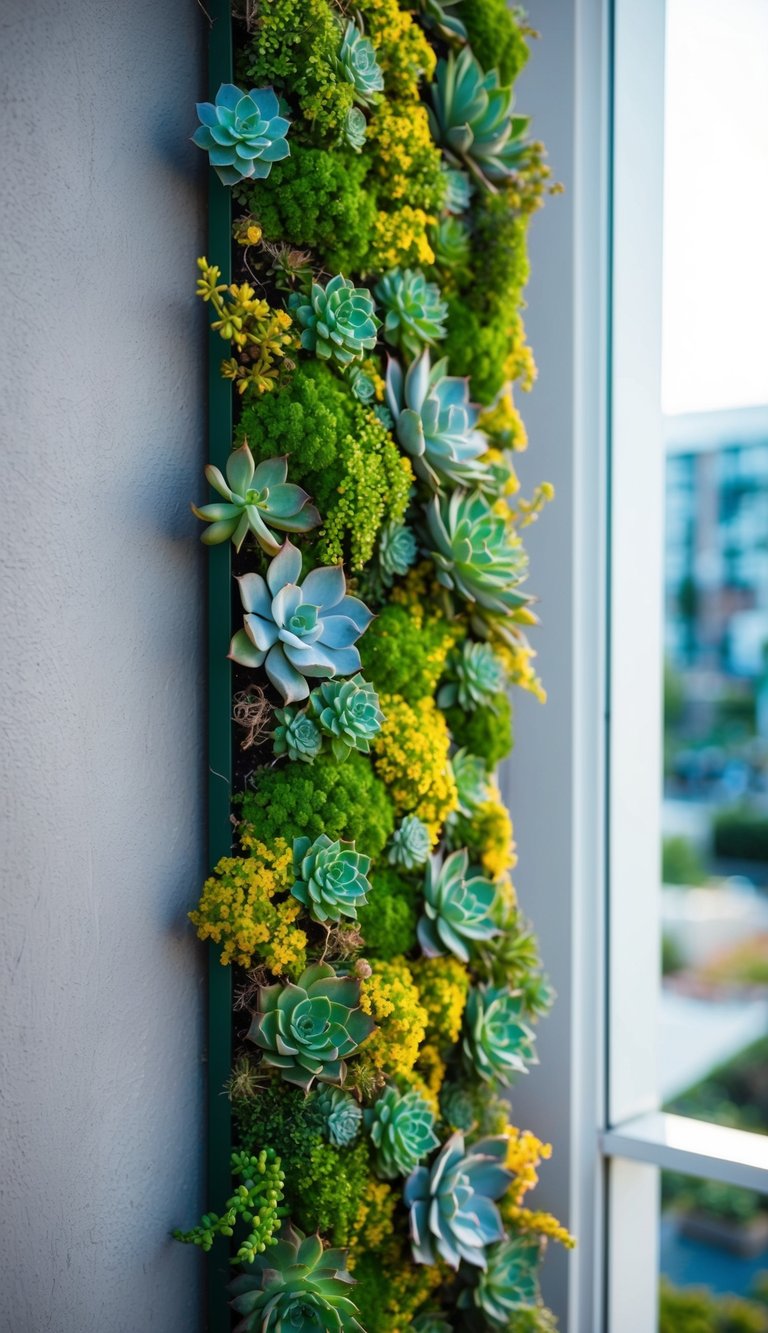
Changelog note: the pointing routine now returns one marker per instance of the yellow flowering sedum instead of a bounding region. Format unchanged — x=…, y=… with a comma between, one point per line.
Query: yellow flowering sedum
x=443, y=986
x=411, y=757
x=400, y=238
x=391, y=996
x=242, y=908
x=524, y=1155
x=537, y=1224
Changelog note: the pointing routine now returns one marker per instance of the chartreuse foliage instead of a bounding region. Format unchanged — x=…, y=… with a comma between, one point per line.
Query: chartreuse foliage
x=383, y=183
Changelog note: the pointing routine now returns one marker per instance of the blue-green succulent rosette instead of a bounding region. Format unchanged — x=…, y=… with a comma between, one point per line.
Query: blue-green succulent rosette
x=402, y=1130
x=341, y=1115
x=357, y=62
x=307, y=1030
x=242, y=133
x=331, y=878
x=457, y=907
x=295, y=630
x=347, y=711
x=296, y=1284
x=339, y=321
x=453, y=1214
x=472, y=119
x=435, y=422
x=256, y=497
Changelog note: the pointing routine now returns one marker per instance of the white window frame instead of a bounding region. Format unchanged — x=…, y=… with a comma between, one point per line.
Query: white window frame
x=584, y=781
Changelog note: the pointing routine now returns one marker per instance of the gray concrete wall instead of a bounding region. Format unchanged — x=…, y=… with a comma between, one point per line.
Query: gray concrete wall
x=101, y=690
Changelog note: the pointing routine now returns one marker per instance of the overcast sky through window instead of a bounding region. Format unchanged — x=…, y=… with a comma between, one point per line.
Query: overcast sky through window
x=716, y=206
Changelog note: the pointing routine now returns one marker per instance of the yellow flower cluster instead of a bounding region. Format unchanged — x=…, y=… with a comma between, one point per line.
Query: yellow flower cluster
x=374, y=1220
x=400, y=238
x=519, y=364
x=538, y=1224
x=411, y=756
x=524, y=1154
x=429, y=1075
x=504, y=423
x=405, y=150
x=518, y=664
x=240, y=909
x=259, y=334
x=391, y=996
x=493, y=831
x=402, y=50
x=443, y=987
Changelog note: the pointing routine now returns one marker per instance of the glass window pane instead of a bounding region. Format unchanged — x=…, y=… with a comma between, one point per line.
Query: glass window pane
x=713, y=1258
x=714, y=927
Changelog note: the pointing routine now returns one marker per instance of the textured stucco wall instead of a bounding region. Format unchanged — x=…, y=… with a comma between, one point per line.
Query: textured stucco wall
x=102, y=414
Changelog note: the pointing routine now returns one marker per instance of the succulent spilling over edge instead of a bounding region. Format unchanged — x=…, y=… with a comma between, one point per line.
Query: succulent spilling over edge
x=382, y=187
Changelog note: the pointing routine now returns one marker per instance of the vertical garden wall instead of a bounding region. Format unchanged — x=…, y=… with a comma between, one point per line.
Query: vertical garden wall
x=374, y=985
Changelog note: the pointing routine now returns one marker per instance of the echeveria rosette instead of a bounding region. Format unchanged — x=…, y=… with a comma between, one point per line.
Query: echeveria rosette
x=476, y=553
x=331, y=878
x=341, y=1115
x=402, y=1130
x=296, y=1284
x=308, y=1030
x=475, y=675
x=242, y=133
x=347, y=711
x=457, y=907
x=438, y=15
x=450, y=242
x=355, y=126
x=339, y=322
x=458, y=1107
x=358, y=63
x=472, y=785
x=415, y=312
x=431, y=1322
x=411, y=844
x=472, y=119
x=453, y=1215
x=497, y=1042
x=297, y=630
x=296, y=735
x=435, y=423
x=397, y=551
x=509, y=1285
x=458, y=190
x=257, y=500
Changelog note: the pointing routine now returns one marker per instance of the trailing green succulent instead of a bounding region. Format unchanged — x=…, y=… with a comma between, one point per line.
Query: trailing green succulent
x=497, y=1043
x=402, y=1130
x=347, y=711
x=453, y=1215
x=339, y=321
x=255, y=498
x=508, y=1286
x=330, y=878
x=435, y=422
x=242, y=133
x=411, y=844
x=358, y=63
x=256, y=1201
x=474, y=677
x=309, y=1029
x=342, y=1116
x=415, y=312
x=476, y=553
x=298, y=1285
x=457, y=908
x=397, y=551
x=472, y=118
x=296, y=735
x=297, y=630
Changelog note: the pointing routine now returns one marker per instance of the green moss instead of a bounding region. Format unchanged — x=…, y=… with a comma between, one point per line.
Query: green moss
x=388, y=923
x=400, y=657
x=324, y=1185
x=496, y=36
x=486, y=732
x=317, y=198
x=293, y=47
x=390, y=1289
x=339, y=452
x=343, y=800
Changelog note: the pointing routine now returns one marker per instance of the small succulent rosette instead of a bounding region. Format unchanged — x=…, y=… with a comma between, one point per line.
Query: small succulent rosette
x=402, y=1130
x=498, y=1044
x=348, y=712
x=453, y=1214
x=457, y=907
x=339, y=321
x=242, y=133
x=415, y=312
x=257, y=499
x=357, y=62
x=331, y=878
x=296, y=1284
x=472, y=119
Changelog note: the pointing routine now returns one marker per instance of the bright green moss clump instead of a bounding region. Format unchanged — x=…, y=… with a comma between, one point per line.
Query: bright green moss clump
x=404, y=656
x=324, y=1185
x=339, y=452
x=496, y=36
x=343, y=800
x=487, y=732
x=388, y=923
x=318, y=199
